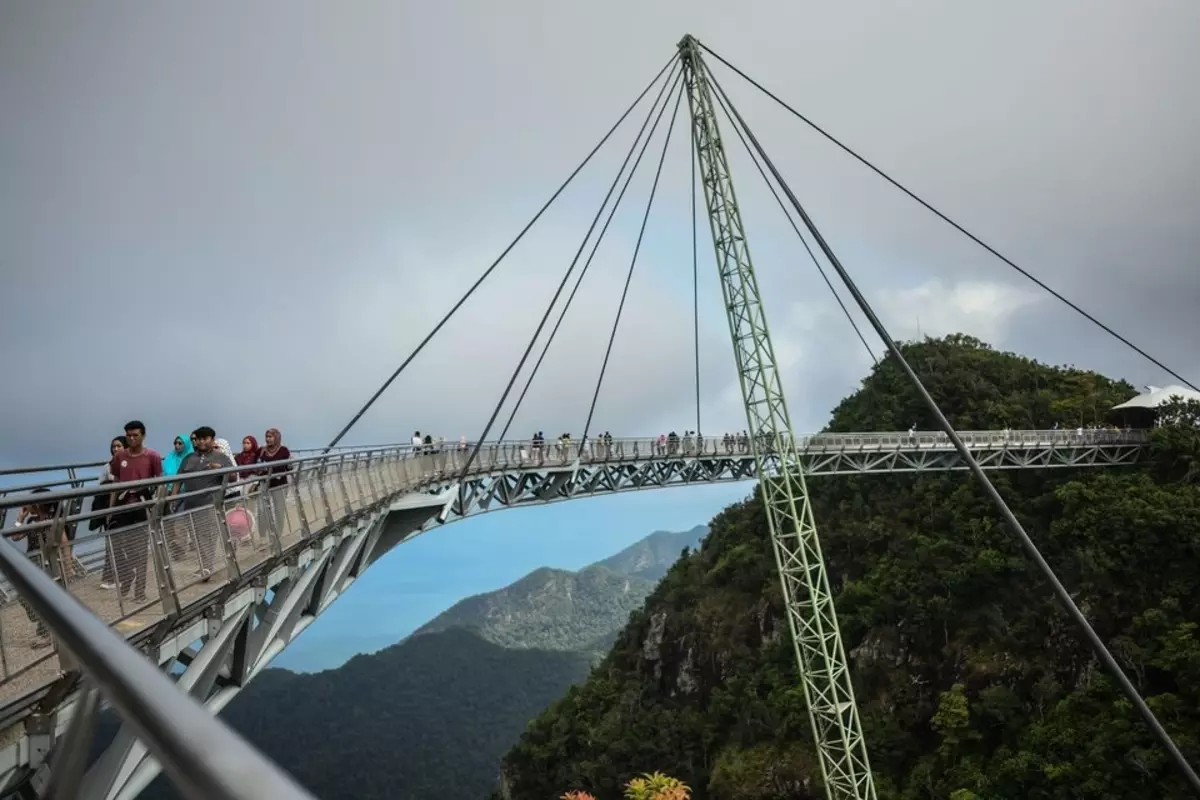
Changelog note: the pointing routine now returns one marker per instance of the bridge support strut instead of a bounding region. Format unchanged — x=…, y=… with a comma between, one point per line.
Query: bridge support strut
x=824, y=670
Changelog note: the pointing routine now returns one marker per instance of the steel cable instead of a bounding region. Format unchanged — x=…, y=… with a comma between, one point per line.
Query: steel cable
x=1010, y=519
x=549, y=308
x=586, y=265
x=803, y=241
x=632, y=263
x=695, y=289
x=952, y=223
x=486, y=273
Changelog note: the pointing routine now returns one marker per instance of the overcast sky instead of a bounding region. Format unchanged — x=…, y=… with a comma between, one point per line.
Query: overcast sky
x=247, y=215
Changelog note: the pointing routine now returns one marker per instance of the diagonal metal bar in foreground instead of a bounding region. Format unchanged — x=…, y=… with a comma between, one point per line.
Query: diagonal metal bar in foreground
x=206, y=759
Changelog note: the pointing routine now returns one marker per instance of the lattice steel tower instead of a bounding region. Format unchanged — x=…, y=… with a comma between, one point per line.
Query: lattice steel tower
x=824, y=671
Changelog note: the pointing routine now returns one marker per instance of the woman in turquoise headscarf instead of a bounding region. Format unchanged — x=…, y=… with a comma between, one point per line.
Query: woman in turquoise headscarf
x=174, y=459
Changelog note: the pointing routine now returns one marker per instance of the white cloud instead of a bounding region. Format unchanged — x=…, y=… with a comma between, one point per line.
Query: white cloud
x=933, y=308
x=190, y=234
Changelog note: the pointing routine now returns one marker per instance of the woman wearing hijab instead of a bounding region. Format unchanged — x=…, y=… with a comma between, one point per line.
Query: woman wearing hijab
x=181, y=448
x=174, y=459
x=223, y=446
x=275, y=450
x=248, y=456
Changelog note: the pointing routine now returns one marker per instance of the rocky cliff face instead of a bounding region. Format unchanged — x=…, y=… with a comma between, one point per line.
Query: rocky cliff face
x=970, y=680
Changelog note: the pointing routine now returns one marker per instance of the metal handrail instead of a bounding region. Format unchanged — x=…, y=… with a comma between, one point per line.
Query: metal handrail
x=320, y=490
x=713, y=444
x=116, y=486
x=202, y=755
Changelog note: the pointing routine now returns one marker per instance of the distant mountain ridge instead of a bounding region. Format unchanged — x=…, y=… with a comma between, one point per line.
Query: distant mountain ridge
x=556, y=609
x=651, y=557
x=431, y=716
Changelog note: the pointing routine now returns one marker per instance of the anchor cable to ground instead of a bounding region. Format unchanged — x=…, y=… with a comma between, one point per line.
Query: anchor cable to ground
x=803, y=241
x=1014, y=525
x=1057, y=295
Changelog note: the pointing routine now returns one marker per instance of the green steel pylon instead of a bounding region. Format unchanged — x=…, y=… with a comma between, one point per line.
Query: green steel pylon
x=824, y=671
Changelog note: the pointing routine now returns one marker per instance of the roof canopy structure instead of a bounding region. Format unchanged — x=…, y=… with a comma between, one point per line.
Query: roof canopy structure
x=1154, y=397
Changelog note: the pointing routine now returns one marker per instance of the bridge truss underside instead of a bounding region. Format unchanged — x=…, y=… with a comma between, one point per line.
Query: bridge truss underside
x=558, y=482
x=219, y=639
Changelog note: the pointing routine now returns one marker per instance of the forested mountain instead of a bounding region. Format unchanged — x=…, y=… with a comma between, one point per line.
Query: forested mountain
x=653, y=556
x=427, y=718
x=553, y=609
x=556, y=609
x=431, y=717
x=971, y=680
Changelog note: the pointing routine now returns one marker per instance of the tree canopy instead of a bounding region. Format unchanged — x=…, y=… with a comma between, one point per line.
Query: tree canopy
x=971, y=680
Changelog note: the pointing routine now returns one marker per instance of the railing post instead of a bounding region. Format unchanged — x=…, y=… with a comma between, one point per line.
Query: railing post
x=267, y=500
x=363, y=481
x=372, y=482
x=159, y=553
x=411, y=469
x=395, y=472
x=295, y=487
x=232, y=571
x=53, y=557
x=321, y=472
x=341, y=483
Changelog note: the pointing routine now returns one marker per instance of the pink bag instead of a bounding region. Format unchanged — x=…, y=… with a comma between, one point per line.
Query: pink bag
x=240, y=522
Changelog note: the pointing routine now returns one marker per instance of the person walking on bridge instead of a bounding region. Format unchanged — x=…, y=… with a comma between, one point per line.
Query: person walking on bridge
x=275, y=450
x=132, y=547
x=195, y=473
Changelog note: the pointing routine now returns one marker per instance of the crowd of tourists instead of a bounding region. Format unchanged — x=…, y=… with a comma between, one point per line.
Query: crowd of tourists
x=192, y=457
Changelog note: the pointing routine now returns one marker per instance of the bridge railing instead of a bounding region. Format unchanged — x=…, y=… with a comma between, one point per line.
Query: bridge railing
x=167, y=556
x=159, y=557
x=21, y=481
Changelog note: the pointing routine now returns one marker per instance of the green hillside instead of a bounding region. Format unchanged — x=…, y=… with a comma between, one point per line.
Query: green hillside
x=971, y=680
x=431, y=717
x=556, y=609
x=553, y=609
x=653, y=556
x=427, y=718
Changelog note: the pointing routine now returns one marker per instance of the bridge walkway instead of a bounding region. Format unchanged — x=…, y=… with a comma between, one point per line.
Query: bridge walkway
x=258, y=537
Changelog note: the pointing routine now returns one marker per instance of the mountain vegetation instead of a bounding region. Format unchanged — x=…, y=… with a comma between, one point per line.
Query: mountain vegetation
x=431, y=717
x=651, y=557
x=556, y=609
x=971, y=680
x=427, y=718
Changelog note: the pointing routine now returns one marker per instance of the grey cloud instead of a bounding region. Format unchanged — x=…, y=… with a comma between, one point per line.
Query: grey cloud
x=247, y=216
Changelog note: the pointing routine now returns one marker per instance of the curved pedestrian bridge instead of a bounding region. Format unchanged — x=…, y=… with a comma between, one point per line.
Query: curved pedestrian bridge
x=214, y=594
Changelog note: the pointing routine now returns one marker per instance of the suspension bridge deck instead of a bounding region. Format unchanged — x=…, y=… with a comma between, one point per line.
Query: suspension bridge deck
x=229, y=586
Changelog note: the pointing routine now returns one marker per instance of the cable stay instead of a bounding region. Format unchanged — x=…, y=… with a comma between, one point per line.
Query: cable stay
x=878, y=171
x=811, y=617
x=629, y=275
x=1010, y=519
x=788, y=215
x=695, y=288
x=586, y=265
x=554, y=300
x=487, y=272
